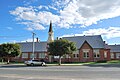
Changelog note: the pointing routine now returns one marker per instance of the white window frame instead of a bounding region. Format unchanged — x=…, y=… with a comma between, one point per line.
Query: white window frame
x=86, y=53
x=24, y=55
x=118, y=55
x=105, y=54
x=33, y=55
x=96, y=53
x=112, y=55
x=76, y=54
x=67, y=56
x=42, y=55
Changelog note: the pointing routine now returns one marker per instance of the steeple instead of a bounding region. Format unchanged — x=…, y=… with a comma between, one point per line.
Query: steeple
x=50, y=29
x=50, y=33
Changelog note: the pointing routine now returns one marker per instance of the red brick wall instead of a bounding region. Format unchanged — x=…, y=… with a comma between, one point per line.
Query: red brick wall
x=101, y=54
x=72, y=59
x=91, y=55
x=81, y=58
x=19, y=59
x=108, y=54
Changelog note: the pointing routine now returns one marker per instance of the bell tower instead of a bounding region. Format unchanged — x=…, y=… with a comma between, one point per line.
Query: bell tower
x=50, y=34
x=50, y=38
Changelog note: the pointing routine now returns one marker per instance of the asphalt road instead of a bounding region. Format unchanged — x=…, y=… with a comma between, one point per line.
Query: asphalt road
x=87, y=72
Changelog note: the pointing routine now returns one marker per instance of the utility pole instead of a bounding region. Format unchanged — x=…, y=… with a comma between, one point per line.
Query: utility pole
x=33, y=46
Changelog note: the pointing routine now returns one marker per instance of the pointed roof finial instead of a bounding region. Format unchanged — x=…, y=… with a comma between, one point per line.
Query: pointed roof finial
x=50, y=28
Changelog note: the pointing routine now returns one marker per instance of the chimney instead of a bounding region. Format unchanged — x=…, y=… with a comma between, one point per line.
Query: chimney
x=104, y=42
x=57, y=38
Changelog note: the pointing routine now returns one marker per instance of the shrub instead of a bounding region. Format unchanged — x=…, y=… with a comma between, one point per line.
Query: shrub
x=102, y=61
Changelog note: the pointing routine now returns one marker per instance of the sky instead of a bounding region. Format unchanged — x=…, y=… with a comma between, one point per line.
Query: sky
x=19, y=18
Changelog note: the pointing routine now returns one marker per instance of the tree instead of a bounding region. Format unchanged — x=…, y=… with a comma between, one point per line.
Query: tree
x=61, y=47
x=9, y=50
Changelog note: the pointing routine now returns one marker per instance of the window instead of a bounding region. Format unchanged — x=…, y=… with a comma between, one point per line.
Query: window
x=33, y=55
x=24, y=55
x=85, y=53
x=112, y=55
x=67, y=56
x=36, y=60
x=56, y=56
x=117, y=55
x=41, y=55
x=105, y=54
x=96, y=53
x=76, y=55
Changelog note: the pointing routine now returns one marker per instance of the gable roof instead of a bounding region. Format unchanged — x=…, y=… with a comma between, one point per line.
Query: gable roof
x=94, y=41
x=114, y=48
x=27, y=46
x=86, y=43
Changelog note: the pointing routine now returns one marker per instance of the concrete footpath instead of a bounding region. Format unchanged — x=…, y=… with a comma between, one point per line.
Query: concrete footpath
x=91, y=65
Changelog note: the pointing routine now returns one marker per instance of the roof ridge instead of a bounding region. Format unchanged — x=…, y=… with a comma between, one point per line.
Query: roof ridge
x=32, y=42
x=81, y=36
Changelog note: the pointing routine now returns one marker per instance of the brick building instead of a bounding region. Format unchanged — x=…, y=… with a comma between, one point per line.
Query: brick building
x=40, y=51
x=89, y=48
x=115, y=52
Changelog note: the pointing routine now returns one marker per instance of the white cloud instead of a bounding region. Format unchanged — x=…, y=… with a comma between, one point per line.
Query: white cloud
x=33, y=26
x=24, y=13
x=87, y=12
x=111, y=32
x=68, y=12
x=9, y=28
x=41, y=7
x=29, y=40
x=45, y=17
x=32, y=19
x=28, y=2
x=54, y=8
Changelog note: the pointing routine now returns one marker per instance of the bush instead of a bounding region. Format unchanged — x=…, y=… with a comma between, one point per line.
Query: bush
x=101, y=61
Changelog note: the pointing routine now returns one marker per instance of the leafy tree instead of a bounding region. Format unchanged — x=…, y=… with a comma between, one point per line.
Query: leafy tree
x=61, y=47
x=9, y=50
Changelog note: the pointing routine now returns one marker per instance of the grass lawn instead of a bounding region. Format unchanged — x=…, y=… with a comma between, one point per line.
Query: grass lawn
x=114, y=61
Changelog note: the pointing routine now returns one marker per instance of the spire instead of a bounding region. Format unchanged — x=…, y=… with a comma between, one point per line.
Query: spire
x=50, y=29
x=50, y=33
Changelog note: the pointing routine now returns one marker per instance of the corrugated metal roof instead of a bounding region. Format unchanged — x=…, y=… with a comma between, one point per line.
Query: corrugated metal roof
x=114, y=48
x=27, y=46
x=95, y=41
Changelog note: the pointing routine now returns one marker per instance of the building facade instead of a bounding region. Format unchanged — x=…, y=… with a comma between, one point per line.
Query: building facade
x=40, y=51
x=89, y=48
x=115, y=52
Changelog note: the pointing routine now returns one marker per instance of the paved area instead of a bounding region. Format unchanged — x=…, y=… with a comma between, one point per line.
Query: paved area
x=87, y=72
